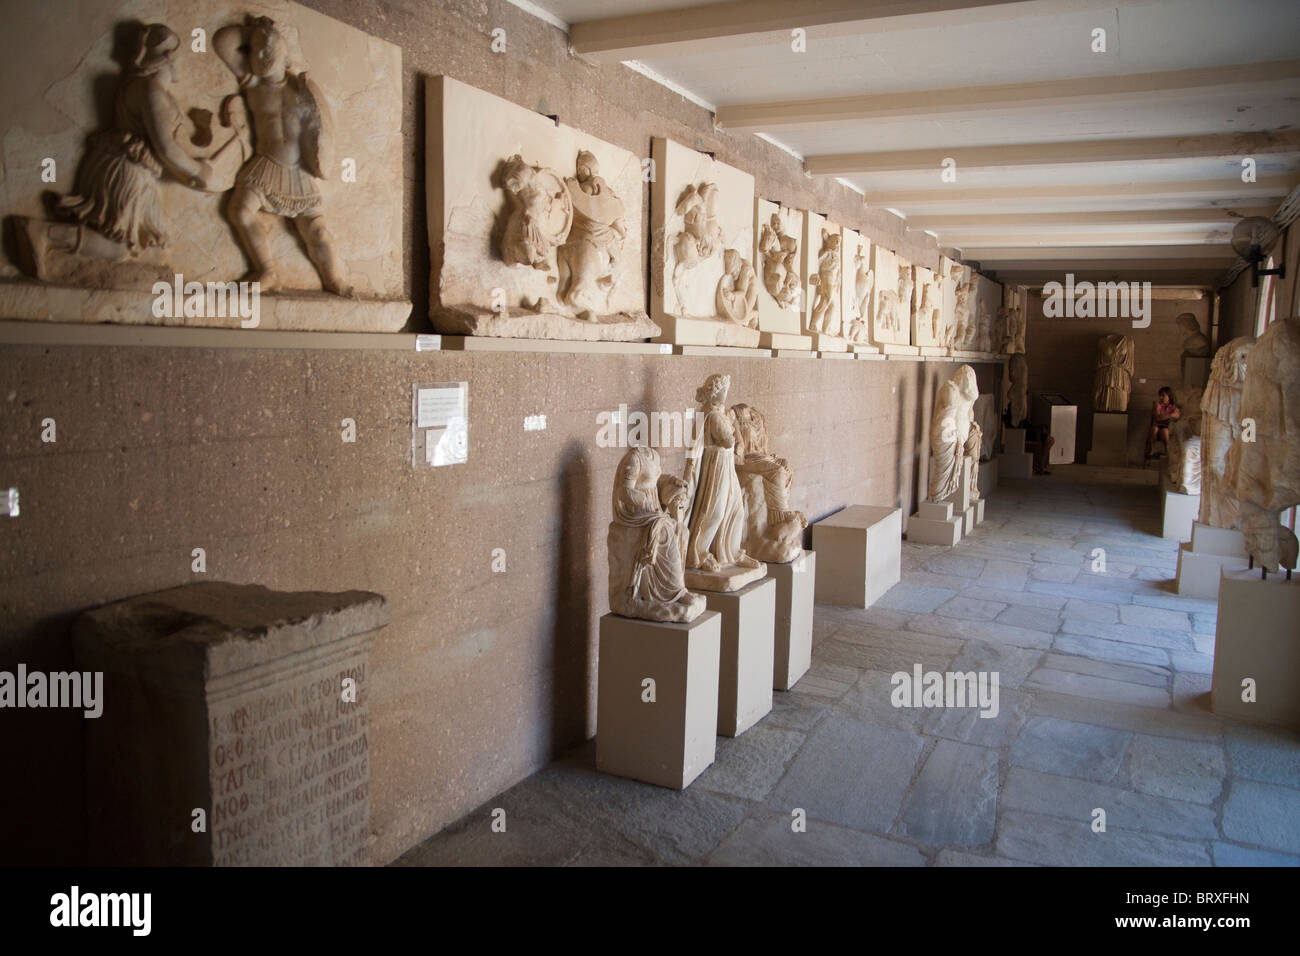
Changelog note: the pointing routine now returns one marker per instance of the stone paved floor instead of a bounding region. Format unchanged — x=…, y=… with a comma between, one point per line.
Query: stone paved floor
x=1103, y=704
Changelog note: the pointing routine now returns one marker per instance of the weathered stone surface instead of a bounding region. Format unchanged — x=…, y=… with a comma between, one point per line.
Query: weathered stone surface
x=767, y=839
x=911, y=597
x=1070, y=749
x=1177, y=769
x=850, y=772
x=1056, y=842
x=265, y=693
x=965, y=724
x=1148, y=636
x=990, y=631
x=1035, y=618
x=749, y=766
x=1100, y=649
x=1139, y=615
x=954, y=801
x=1229, y=854
x=1012, y=664
x=970, y=608
x=1269, y=754
x=1099, y=688
x=1146, y=674
x=1075, y=800
x=1263, y=814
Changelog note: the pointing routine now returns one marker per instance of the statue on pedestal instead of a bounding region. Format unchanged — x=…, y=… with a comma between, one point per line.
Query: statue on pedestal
x=1114, y=379
x=1265, y=473
x=954, y=436
x=645, y=545
x=773, y=530
x=1220, y=427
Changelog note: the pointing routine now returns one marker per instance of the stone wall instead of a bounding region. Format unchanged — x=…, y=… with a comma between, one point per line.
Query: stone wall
x=1062, y=355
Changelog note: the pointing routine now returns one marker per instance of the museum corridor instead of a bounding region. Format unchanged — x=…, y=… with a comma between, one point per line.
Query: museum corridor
x=1104, y=704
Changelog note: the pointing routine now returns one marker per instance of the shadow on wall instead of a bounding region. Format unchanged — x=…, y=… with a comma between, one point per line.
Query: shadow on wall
x=43, y=817
x=571, y=651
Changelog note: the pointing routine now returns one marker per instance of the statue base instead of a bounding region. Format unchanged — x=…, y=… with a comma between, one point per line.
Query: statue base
x=1255, y=640
x=792, y=638
x=828, y=343
x=988, y=478
x=785, y=340
x=1016, y=462
x=288, y=311
x=685, y=331
x=671, y=739
x=934, y=523
x=861, y=549
x=1109, y=439
x=745, y=668
x=1210, y=552
x=730, y=578
x=973, y=516
x=1177, y=514
x=522, y=324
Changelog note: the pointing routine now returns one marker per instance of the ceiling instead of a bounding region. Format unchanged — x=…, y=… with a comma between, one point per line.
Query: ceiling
x=1126, y=163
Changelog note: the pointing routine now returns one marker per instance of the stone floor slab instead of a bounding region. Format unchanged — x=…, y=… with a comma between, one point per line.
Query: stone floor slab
x=1070, y=749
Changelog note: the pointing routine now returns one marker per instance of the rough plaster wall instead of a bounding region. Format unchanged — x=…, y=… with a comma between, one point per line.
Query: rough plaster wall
x=481, y=678
x=1062, y=355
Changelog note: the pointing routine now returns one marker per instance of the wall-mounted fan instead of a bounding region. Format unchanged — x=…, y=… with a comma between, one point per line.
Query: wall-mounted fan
x=1252, y=237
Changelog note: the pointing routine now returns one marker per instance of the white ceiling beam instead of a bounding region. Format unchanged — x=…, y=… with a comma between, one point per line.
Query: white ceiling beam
x=1198, y=252
x=1205, y=189
x=1182, y=277
x=1215, y=145
x=952, y=222
x=1147, y=238
x=1279, y=76
x=1098, y=265
x=709, y=26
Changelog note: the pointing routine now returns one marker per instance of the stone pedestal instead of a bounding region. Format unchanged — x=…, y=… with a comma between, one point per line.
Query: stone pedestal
x=792, y=652
x=828, y=343
x=1016, y=462
x=1209, y=552
x=1257, y=639
x=245, y=703
x=1196, y=371
x=988, y=477
x=861, y=554
x=786, y=340
x=670, y=740
x=935, y=523
x=973, y=516
x=680, y=330
x=1177, y=514
x=745, y=670
x=1109, y=439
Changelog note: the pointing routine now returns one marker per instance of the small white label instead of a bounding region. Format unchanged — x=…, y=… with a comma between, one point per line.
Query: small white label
x=534, y=423
x=437, y=406
x=428, y=343
x=666, y=349
x=13, y=502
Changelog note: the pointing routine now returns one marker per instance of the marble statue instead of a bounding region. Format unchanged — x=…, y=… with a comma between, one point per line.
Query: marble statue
x=1183, y=467
x=645, y=544
x=983, y=331
x=1018, y=388
x=737, y=297
x=780, y=254
x=587, y=259
x=824, y=315
x=773, y=530
x=715, y=545
x=291, y=141
x=1194, y=341
x=903, y=302
x=988, y=419
x=1013, y=323
x=116, y=212
x=1114, y=379
x=540, y=216
x=955, y=438
x=864, y=281
x=701, y=236
x=1264, y=474
x=1220, y=427
x=962, y=312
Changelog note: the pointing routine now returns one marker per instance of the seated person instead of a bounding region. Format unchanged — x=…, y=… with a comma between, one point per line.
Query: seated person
x=1163, y=414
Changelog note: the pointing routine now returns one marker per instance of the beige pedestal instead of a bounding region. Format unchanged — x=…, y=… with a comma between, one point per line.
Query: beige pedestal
x=1016, y=462
x=935, y=523
x=988, y=477
x=792, y=652
x=1178, y=514
x=248, y=704
x=1109, y=439
x=1209, y=552
x=861, y=554
x=973, y=516
x=685, y=331
x=828, y=343
x=786, y=340
x=745, y=671
x=1258, y=638
x=670, y=740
